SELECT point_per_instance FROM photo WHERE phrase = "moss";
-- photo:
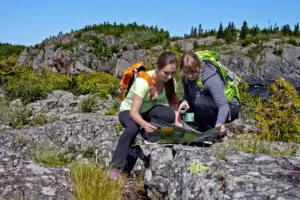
(197, 167)
(111, 111)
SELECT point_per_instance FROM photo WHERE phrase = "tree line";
(230, 32)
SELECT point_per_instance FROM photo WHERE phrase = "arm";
(137, 102)
(215, 87)
(140, 90)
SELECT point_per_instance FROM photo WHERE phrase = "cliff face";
(256, 63)
(262, 64)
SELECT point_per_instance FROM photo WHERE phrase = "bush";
(257, 39)
(21, 116)
(88, 105)
(277, 117)
(247, 101)
(97, 82)
(246, 42)
(146, 38)
(293, 42)
(31, 86)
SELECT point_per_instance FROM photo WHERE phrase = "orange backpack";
(135, 70)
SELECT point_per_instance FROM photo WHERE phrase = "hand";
(179, 124)
(221, 129)
(150, 128)
(183, 104)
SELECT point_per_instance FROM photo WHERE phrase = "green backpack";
(230, 79)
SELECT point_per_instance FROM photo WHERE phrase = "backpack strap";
(148, 78)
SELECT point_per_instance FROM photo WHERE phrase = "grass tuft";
(91, 182)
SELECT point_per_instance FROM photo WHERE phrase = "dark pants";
(206, 113)
(132, 129)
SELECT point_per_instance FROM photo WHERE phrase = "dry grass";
(92, 183)
(251, 143)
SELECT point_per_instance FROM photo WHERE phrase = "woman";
(208, 102)
(137, 108)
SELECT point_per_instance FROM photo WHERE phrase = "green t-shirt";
(140, 88)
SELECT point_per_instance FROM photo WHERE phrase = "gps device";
(183, 109)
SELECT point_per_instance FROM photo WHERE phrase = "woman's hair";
(163, 60)
(190, 62)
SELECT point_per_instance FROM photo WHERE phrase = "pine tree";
(192, 31)
(286, 30)
(296, 30)
(230, 33)
(254, 30)
(200, 30)
(244, 30)
(195, 32)
(277, 117)
(220, 33)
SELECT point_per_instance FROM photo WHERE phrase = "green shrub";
(248, 102)
(88, 105)
(260, 38)
(3, 110)
(31, 86)
(277, 117)
(7, 50)
(278, 51)
(246, 42)
(293, 42)
(21, 116)
(97, 82)
(146, 38)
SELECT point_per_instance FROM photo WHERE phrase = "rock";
(169, 171)
(16, 103)
(257, 64)
(194, 173)
(1, 92)
(24, 179)
(157, 48)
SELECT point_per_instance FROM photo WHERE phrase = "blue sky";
(29, 22)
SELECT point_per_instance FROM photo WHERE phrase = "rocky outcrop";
(258, 64)
(183, 172)
(73, 135)
(56, 55)
(170, 172)
(261, 64)
(21, 178)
